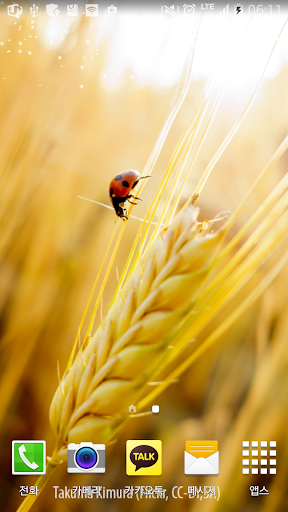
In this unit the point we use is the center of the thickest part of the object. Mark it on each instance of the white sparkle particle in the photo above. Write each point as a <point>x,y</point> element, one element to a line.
<point>81,86</point>
<point>81,67</point>
<point>40,85</point>
<point>59,57</point>
<point>33,26</point>
<point>132,76</point>
<point>19,51</point>
<point>8,51</point>
<point>61,66</point>
<point>105,75</point>
<point>20,43</point>
<point>3,78</point>
<point>2,43</point>
<point>91,56</point>
<point>87,41</point>
<point>29,53</point>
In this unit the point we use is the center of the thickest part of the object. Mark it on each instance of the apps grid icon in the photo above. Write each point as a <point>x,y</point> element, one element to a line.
<point>259,457</point>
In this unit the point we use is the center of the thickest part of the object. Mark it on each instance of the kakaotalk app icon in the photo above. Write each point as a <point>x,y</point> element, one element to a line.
<point>143,457</point>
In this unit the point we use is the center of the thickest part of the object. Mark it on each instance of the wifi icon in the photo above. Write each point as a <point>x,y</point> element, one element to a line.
<point>91,10</point>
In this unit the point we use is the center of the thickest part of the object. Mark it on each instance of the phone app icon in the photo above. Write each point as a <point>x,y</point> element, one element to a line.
<point>143,457</point>
<point>201,458</point>
<point>28,457</point>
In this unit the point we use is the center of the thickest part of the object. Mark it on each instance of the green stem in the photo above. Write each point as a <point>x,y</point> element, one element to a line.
<point>41,482</point>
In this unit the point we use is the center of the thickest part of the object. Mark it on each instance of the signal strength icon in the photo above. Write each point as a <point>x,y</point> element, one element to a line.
<point>91,10</point>
<point>225,11</point>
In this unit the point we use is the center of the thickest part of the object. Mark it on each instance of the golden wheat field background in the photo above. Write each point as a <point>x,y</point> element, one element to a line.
<point>81,101</point>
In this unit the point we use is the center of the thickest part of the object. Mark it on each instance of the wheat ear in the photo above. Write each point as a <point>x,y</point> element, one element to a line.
<point>109,373</point>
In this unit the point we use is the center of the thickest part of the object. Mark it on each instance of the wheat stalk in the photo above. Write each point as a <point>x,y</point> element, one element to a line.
<point>109,373</point>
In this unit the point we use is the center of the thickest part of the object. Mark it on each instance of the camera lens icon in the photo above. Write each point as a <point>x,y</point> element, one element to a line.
<point>86,458</point>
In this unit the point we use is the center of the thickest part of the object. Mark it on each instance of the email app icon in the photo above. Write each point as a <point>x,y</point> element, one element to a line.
<point>201,458</point>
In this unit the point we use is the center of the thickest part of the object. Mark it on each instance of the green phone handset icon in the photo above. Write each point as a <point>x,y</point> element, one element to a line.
<point>28,457</point>
<point>31,465</point>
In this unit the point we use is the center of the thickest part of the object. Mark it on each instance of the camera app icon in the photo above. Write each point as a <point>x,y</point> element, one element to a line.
<point>86,458</point>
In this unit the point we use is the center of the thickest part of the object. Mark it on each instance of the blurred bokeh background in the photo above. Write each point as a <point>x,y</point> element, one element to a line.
<point>80,100</point>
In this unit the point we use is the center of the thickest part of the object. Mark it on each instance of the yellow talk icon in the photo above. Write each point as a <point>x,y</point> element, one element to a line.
<point>143,457</point>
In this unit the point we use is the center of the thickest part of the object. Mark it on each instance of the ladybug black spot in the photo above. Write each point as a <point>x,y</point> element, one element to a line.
<point>125,183</point>
<point>118,177</point>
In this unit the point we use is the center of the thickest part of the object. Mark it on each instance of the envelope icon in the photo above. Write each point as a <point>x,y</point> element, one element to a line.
<point>201,458</point>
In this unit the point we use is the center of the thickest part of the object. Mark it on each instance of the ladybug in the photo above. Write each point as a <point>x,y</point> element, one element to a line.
<point>120,188</point>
